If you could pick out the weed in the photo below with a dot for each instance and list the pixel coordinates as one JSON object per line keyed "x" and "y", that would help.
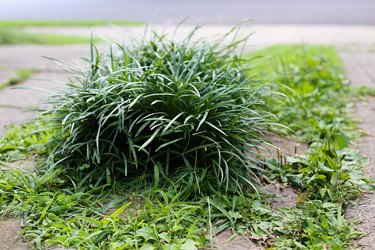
{"x": 312, "y": 92}
{"x": 30, "y": 138}
{"x": 314, "y": 225}
{"x": 325, "y": 174}
{"x": 21, "y": 75}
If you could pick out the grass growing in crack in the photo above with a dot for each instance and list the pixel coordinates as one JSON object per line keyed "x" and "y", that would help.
{"x": 15, "y": 36}
{"x": 21, "y": 142}
{"x": 61, "y": 206}
{"x": 21, "y": 75}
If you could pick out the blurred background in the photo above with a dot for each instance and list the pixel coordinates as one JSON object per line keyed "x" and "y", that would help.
{"x": 341, "y": 12}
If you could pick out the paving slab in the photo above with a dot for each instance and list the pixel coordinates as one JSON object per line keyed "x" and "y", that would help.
{"x": 227, "y": 241}
{"x": 360, "y": 69}
{"x": 6, "y": 74}
{"x": 32, "y": 56}
{"x": 16, "y": 102}
{"x": 11, "y": 233}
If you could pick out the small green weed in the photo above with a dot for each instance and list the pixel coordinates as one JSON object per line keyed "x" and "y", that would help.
{"x": 314, "y": 225}
{"x": 21, "y": 75}
{"x": 324, "y": 174}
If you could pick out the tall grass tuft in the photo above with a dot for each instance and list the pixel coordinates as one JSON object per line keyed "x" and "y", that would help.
{"x": 174, "y": 112}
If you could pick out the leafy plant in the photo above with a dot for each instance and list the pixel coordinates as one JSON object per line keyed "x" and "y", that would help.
{"x": 325, "y": 174}
{"x": 59, "y": 213}
{"x": 314, "y": 225}
{"x": 182, "y": 110}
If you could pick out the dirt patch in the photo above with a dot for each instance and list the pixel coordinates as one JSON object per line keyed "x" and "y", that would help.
{"x": 282, "y": 147}
{"x": 20, "y": 165}
{"x": 10, "y": 235}
{"x": 283, "y": 197}
{"x": 227, "y": 241}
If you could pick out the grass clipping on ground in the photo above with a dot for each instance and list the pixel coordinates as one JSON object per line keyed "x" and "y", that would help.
{"x": 150, "y": 150}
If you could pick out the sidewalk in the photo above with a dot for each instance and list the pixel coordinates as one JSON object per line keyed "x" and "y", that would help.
{"x": 262, "y": 35}
{"x": 360, "y": 69}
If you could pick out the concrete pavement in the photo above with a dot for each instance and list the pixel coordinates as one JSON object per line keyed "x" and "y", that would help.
{"x": 261, "y": 35}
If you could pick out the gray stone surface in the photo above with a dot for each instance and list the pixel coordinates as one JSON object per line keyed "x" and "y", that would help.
{"x": 6, "y": 74}
{"x": 262, "y": 35}
{"x": 360, "y": 68}
{"x": 11, "y": 233}
{"x": 32, "y": 56}
{"x": 227, "y": 241}
{"x": 16, "y": 102}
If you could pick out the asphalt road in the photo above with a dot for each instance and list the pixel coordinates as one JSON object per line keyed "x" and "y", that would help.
{"x": 342, "y": 12}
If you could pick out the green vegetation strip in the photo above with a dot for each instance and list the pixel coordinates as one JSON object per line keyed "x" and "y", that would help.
{"x": 56, "y": 23}
{"x": 11, "y": 32}
{"x": 15, "y": 36}
{"x": 85, "y": 199}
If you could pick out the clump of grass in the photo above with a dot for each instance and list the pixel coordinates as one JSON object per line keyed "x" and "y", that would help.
{"x": 185, "y": 111}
